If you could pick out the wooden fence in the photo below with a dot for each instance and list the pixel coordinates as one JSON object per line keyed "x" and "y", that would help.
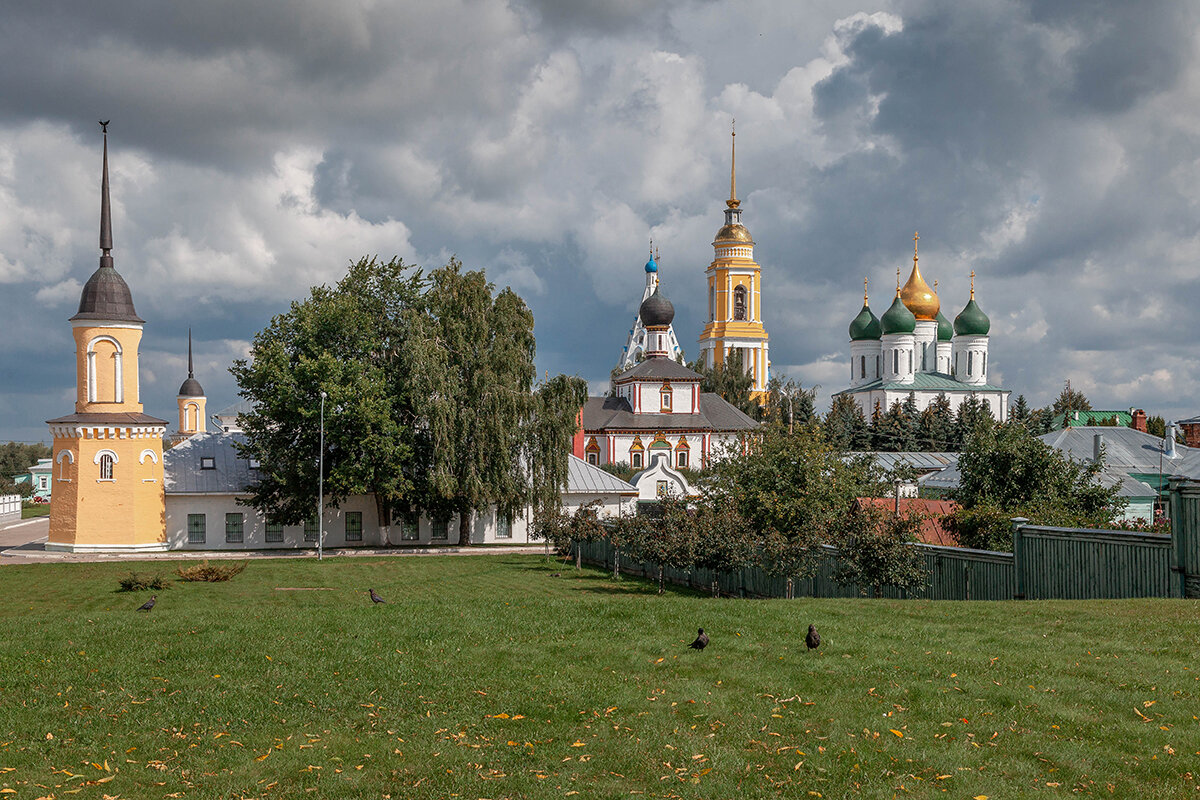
{"x": 1046, "y": 563}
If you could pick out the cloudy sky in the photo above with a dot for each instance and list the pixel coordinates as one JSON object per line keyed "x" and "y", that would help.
{"x": 256, "y": 149}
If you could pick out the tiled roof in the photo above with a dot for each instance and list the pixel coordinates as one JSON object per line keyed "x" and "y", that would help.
{"x": 615, "y": 413}
{"x": 924, "y": 381}
{"x": 931, "y": 530}
{"x": 659, "y": 367}
{"x": 583, "y": 478}
{"x": 231, "y": 474}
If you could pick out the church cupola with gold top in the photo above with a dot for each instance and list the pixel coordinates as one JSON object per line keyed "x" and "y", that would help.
{"x": 734, "y": 331}
{"x": 918, "y": 352}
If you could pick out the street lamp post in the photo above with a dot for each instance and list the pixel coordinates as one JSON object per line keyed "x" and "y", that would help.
{"x": 321, "y": 487}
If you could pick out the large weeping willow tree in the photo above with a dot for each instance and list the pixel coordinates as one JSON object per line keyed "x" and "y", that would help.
{"x": 431, "y": 401}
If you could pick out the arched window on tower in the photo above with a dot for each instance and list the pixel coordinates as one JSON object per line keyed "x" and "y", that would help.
{"x": 862, "y": 367}
{"x": 739, "y": 303}
{"x": 106, "y": 467}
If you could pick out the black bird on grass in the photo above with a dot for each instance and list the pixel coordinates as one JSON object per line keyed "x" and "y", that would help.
{"x": 701, "y": 641}
{"x": 813, "y": 640}
{"x": 376, "y": 598}
{"x": 149, "y": 604}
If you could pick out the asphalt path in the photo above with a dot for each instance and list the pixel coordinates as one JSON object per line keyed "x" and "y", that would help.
{"x": 24, "y": 542}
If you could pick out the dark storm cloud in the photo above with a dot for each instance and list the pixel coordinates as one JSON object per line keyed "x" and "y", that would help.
{"x": 1050, "y": 146}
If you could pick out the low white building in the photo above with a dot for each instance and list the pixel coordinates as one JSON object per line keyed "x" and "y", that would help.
{"x": 205, "y": 477}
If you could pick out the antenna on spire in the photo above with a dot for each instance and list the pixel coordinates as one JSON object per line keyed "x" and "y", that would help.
{"x": 733, "y": 201}
{"x": 106, "y": 245}
{"x": 190, "y": 375}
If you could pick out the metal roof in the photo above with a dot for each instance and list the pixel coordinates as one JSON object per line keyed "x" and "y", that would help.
{"x": 615, "y": 413}
{"x": 1126, "y": 450}
{"x": 922, "y": 462}
{"x": 659, "y": 367}
{"x": 925, "y": 381}
{"x": 583, "y": 478}
{"x": 183, "y": 471}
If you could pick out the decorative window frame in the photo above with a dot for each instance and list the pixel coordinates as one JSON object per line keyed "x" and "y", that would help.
{"x": 62, "y": 470}
{"x": 142, "y": 460}
{"x": 98, "y": 461}
{"x": 118, "y": 370}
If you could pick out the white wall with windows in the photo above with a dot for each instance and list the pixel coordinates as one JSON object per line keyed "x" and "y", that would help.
{"x": 218, "y": 522}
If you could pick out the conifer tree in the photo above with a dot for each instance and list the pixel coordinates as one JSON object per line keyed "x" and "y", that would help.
{"x": 845, "y": 426}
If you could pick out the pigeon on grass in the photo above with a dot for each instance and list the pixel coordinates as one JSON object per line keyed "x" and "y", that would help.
{"x": 149, "y": 604}
{"x": 375, "y": 598}
{"x": 701, "y": 641}
{"x": 813, "y": 640}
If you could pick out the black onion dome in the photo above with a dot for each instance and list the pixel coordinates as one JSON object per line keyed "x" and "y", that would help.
{"x": 657, "y": 311}
{"x": 106, "y": 296}
{"x": 191, "y": 388}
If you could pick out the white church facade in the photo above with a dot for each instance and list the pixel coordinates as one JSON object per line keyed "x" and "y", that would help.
{"x": 913, "y": 349}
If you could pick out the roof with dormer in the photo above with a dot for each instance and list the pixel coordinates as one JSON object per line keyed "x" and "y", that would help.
{"x": 615, "y": 413}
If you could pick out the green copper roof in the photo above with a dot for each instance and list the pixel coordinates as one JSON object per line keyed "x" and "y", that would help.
{"x": 898, "y": 319}
{"x": 945, "y": 329}
{"x": 865, "y": 325}
{"x": 971, "y": 321}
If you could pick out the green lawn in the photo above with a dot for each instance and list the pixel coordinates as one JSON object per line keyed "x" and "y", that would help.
{"x": 35, "y": 510}
{"x": 486, "y": 677}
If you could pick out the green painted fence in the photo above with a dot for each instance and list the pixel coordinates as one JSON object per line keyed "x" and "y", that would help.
{"x": 1074, "y": 564}
{"x": 1185, "y": 525}
{"x": 1046, "y": 563}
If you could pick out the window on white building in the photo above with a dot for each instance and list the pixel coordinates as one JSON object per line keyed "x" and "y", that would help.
{"x": 410, "y": 529}
{"x": 234, "y": 528}
{"x": 274, "y": 532}
{"x": 970, "y": 363}
{"x": 504, "y": 527}
{"x": 681, "y": 459}
{"x": 593, "y": 459}
{"x": 353, "y": 526}
{"x": 196, "y": 530}
{"x": 635, "y": 460}
{"x": 666, "y": 400}
{"x": 441, "y": 527}
{"x": 312, "y": 531}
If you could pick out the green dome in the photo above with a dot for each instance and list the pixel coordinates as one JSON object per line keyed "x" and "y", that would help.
{"x": 864, "y": 326}
{"x": 898, "y": 319}
{"x": 945, "y": 329}
{"x": 971, "y": 321}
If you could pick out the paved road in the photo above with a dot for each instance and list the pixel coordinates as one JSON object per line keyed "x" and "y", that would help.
{"x": 24, "y": 543}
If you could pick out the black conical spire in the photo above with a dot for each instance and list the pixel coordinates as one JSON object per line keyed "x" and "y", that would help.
{"x": 191, "y": 387}
{"x": 106, "y": 296}
{"x": 190, "y": 375}
{"x": 106, "y": 245}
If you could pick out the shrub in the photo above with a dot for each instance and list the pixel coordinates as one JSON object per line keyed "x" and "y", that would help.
{"x": 138, "y": 582}
{"x": 211, "y": 573}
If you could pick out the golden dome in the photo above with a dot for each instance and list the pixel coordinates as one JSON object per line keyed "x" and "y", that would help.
{"x": 920, "y": 299}
{"x": 735, "y": 232}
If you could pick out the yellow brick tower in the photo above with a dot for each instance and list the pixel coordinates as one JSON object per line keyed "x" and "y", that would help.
{"x": 108, "y": 478}
{"x": 735, "y": 296}
{"x": 191, "y": 402}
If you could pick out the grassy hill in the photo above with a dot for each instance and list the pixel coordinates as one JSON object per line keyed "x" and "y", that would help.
{"x": 487, "y": 677}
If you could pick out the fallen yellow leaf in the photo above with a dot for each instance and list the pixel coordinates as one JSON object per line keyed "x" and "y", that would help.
{"x": 898, "y": 733}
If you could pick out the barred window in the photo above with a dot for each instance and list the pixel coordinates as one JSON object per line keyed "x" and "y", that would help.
{"x": 106, "y": 467}
{"x": 311, "y": 530}
{"x": 274, "y": 532}
{"x": 504, "y": 527}
{"x": 234, "y": 528}
{"x": 353, "y": 526}
{"x": 441, "y": 528}
{"x": 197, "y": 523}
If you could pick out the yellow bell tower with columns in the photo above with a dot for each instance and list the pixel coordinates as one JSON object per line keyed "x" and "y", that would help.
{"x": 735, "y": 296}
{"x": 191, "y": 402}
{"x": 108, "y": 478}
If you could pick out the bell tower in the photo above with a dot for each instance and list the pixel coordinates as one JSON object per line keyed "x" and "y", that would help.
{"x": 191, "y": 402}
{"x": 108, "y": 479}
{"x": 735, "y": 325}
